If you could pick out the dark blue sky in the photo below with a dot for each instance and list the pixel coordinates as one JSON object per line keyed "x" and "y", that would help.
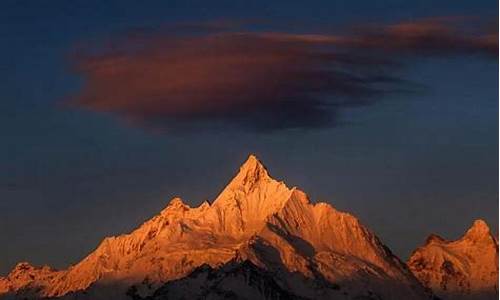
{"x": 408, "y": 165}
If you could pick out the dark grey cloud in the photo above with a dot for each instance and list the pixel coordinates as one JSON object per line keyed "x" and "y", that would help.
{"x": 177, "y": 80}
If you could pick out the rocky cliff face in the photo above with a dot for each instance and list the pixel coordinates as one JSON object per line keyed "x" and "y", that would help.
{"x": 258, "y": 236}
{"x": 463, "y": 269}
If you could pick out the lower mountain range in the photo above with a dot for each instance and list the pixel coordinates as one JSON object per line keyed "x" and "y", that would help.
{"x": 260, "y": 239}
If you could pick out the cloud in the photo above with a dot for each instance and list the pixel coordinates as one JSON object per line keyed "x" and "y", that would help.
{"x": 433, "y": 36}
{"x": 178, "y": 80}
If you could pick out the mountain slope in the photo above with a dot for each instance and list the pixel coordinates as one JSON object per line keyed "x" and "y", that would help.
{"x": 235, "y": 280}
{"x": 463, "y": 269}
{"x": 312, "y": 250}
{"x": 332, "y": 247}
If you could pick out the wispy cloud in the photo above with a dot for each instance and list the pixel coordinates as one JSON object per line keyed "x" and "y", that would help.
{"x": 433, "y": 36}
{"x": 261, "y": 80}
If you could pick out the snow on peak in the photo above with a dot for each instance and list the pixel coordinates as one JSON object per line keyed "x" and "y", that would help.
{"x": 252, "y": 160}
{"x": 177, "y": 202}
{"x": 434, "y": 238}
{"x": 176, "y": 205}
{"x": 251, "y": 172}
{"x": 26, "y": 275}
{"x": 467, "y": 266}
{"x": 24, "y": 265}
{"x": 255, "y": 217}
{"x": 252, "y": 195}
{"x": 478, "y": 230}
{"x": 27, "y": 268}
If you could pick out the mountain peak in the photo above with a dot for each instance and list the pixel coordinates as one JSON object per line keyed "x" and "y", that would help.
{"x": 465, "y": 267}
{"x": 26, "y": 267}
{"x": 434, "y": 238}
{"x": 252, "y": 157}
{"x": 251, "y": 172}
{"x": 23, "y": 266}
{"x": 479, "y": 229}
{"x": 176, "y": 201}
{"x": 253, "y": 166}
{"x": 258, "y": 220}
{"x": 176, "y": 204}
{"x": 251, "y": 196}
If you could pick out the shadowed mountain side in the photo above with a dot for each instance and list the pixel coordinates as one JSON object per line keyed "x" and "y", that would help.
{"x": 258, "y": 237}
{"x": 243, "y": 279}
{"x": 256, "y": 272}
{"x": 255, "y": 218}
{"x": 235, "y": 280}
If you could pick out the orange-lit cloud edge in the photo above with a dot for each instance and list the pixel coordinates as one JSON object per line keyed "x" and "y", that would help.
{"x": 203, "y": 75}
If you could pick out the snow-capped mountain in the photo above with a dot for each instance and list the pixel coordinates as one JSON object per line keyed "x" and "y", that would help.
{"x": 463, "y": 269}
{"x": 259, "y": 239}
{"x": 234, "y": 280}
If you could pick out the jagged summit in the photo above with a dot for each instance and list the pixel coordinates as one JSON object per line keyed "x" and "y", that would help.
{"x": 26, "y": 276}
{"x": 251, "y": 172}
{"x": 252, "y": 162}
{"x": 251, "y": 196}
{"x": 175, "y": 206}
{"x": 309, "y": 250}
{"x": 24, "y": 265}
{"x": 176, "y": 201}
{"x": 478, "y": 230}
{"x": 434, "y": 238}
{"x": 466, "y": 268}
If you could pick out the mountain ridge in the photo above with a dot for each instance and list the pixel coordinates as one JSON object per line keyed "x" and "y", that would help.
{"x": 255, "y": 219}
{"x": 465, "y": 268}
